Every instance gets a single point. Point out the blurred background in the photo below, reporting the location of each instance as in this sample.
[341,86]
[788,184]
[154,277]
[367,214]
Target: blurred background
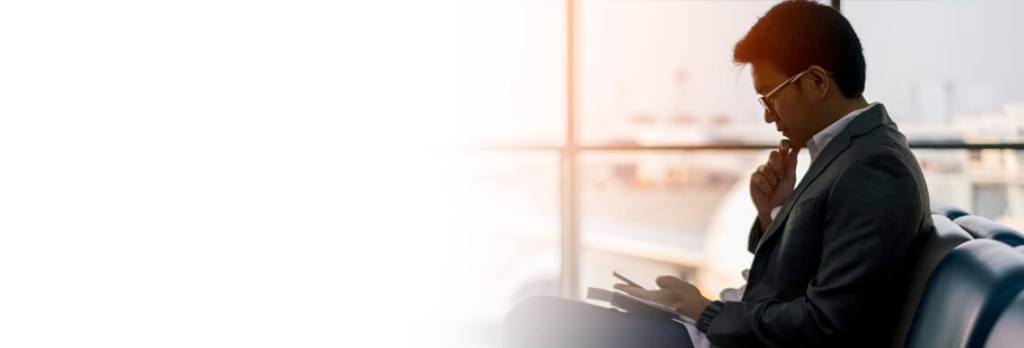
[618,135]
[210,173]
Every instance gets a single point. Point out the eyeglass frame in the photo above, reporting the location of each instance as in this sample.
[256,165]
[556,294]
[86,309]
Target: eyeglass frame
[766,99]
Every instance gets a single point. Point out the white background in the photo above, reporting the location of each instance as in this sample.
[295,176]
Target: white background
[226,173]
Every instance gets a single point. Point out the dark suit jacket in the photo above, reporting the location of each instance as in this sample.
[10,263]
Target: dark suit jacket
[829,269]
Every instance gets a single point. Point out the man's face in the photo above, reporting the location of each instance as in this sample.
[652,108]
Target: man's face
[792,112]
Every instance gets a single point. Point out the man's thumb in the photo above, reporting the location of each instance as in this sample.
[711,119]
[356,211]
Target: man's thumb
[791,160]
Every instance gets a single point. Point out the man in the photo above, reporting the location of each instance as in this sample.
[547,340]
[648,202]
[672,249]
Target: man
[829,254]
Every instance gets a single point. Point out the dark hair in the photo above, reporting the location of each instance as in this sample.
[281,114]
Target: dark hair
[794,35]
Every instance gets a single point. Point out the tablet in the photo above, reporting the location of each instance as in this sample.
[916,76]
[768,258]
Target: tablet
[637,306]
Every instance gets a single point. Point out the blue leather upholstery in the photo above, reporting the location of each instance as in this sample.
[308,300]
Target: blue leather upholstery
[1009,328]
[966,294]
[948,210]
[981,227]
[932,248]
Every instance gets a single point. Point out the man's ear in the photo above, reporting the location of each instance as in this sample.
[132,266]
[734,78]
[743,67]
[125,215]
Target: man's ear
[820,81]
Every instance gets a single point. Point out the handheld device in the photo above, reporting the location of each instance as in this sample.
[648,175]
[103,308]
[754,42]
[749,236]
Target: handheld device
[619,274]
[637,306]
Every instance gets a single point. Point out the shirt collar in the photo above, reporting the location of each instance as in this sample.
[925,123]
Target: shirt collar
[823,137]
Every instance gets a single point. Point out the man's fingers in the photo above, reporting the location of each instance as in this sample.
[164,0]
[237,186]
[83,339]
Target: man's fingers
[791,163]
[761,183]
[786,148]
[768,174]
[670,282]
[777,164]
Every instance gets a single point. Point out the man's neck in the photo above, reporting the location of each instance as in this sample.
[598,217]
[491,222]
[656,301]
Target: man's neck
[845,107]
[842,108]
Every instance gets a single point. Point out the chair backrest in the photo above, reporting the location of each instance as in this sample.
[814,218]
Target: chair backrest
[948,210]
[969,289]
[981,227]
[928,253]
[1009,328]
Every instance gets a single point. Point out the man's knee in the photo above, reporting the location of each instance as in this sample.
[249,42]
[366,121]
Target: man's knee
[533,310]
[530,318]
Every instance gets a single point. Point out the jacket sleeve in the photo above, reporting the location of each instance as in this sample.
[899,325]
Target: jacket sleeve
[870,219]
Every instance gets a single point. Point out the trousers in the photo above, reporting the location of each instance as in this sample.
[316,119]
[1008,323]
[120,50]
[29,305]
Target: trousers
[553,322]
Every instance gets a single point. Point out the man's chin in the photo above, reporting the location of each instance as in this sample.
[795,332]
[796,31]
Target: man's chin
[796,142]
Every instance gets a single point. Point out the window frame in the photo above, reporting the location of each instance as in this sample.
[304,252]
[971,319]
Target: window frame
[570,151]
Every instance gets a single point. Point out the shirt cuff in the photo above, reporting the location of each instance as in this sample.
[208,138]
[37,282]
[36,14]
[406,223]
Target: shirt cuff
[709,314]
[775,211]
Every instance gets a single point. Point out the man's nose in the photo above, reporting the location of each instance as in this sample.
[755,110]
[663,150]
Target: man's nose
[769,117]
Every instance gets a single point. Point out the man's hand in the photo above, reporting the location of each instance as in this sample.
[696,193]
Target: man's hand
[675,293]
[773,182]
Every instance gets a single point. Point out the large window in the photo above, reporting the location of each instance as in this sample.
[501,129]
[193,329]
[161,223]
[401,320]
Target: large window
[949,72]
[661,72]
[514,78]
[514,71]
[635,134]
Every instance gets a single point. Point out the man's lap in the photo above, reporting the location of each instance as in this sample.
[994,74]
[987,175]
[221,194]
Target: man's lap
[549,322]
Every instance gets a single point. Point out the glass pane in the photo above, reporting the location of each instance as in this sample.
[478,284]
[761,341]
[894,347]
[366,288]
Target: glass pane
[511,223]
[661,72]
[688,213]
[514,71]
[655,213]
[945,69]
[989,183]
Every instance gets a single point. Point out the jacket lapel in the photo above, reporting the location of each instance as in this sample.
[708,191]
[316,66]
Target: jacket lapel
[865,122]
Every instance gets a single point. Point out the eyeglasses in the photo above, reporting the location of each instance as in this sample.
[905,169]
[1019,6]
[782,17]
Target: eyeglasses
[766,99]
